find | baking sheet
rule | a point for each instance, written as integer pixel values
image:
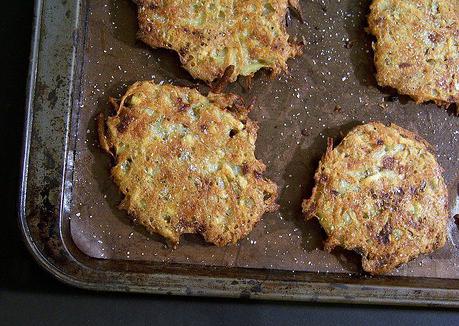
(328, 90)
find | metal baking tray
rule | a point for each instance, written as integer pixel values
(85, 51)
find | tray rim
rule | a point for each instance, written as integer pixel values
(258, 284)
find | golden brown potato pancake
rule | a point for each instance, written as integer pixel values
(212, 37)
(185, 162)
(381, 193)
(417, 48)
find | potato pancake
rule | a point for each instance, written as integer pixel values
(381, 193)
(186, 164)
(417, 48)
(220, 38)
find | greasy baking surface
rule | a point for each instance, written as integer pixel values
(417, 47)
(381, 193)
(185, 163)
(330, 89)
(210, 36)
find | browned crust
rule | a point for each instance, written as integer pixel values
(178, 168)
(308, 204)
(374, 216)
(221, 83)
(101, 133)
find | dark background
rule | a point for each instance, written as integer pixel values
(29, 296)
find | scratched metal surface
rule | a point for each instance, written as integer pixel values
(83, 51)
(296, 113)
